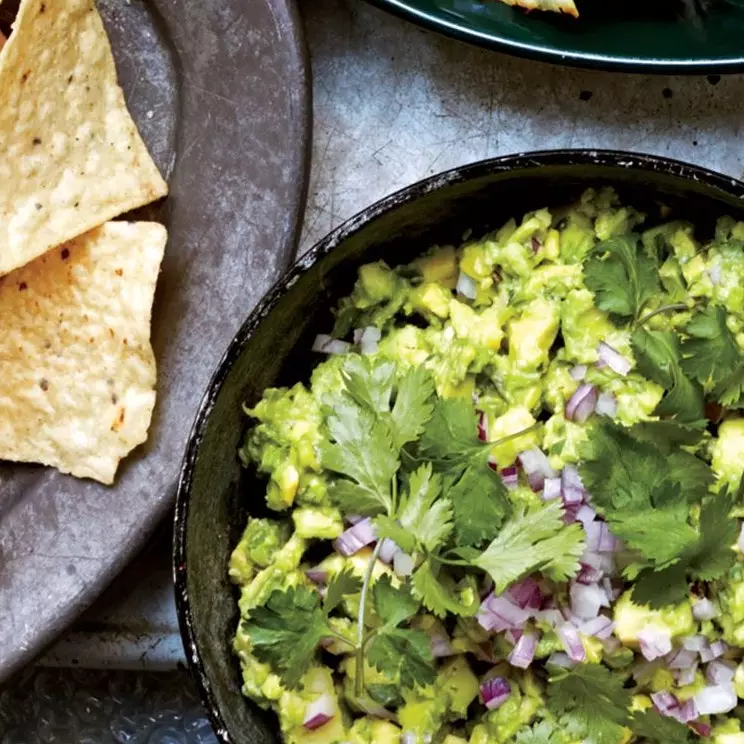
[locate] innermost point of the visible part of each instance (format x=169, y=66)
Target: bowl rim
x=543, y=53
x=519, y=161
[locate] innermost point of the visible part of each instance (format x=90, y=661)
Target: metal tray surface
x=221, y=94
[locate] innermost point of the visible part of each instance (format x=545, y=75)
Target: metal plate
x=220, y=91
x=632, y=35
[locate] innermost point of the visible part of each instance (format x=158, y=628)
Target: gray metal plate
x=220, y=91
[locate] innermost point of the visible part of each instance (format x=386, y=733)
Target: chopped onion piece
x=695, y=642
x=682, y=658
x=355, y=538
x=560, y=659
x=581, y=404
x=510, y=476
x=571, y=641
x=551, y=489
x=687, y=676
x=613, y=359
x=325, y=344
x=403, y=564
x=482, y=426
x=715, y=274
x=715, y=699
x=441, y=646
x=466, y=286
x=606, y=405
x=600, y=627
x=369, y=339
x=495, y=692
x=500, y=614
x=578, y=372
x=664, y=702
x=586, y=600
x=701, y=728
x=719, y=672
x=319, y=712
x=526, y=594
x=536, y=466
x=704, y=609
x=524, y=652
x=388, y=550
x=716, y=649
x=599, y=538
x=686, y=711
x=317, y=575
x=655, y=642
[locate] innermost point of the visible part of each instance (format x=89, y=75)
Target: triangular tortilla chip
x=557, y=6
x=71, y=157
x=77, y=372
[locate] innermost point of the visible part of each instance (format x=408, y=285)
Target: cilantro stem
x=515, y=435
x=394, y=491
x=359, y=681
x=663, y=309
x=450, y=561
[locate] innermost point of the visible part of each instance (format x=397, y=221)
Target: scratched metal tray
x=220, y=91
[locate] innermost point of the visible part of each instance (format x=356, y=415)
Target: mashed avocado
x=523, y=349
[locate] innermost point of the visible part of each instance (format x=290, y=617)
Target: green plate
x=631, y=35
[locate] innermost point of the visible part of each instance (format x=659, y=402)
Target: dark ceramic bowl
x=631, y=35
x=215, y=494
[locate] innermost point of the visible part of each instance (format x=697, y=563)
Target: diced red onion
x=357, y=336
x=536, y=244
x=602, y=562
x=354, y=518
x=740, y=541
x=586, y=515
x=536, y=466
x=403, y=564
x=600, y=627
x=682, y=658
x=441, y=646
x=606, y=405
x=586, y=600
x=500, y=614
x=581, y=404
x=355, y=538
x=695, y=642
x=686, y=712
x=599, y=538
x=369, y=340
x=526, y=594
x=495, y=692
x=388, y=550
x=319, y=712
x=571, y=641
x=715, y=700
x=482, y=426
x=513, y=635
x=551, y=489
x=588, y=575
x=578, y=372
x=715, y=274
x=466, y=286
x=493, y=463
x=560, y=659
x=704, y=609
x=719, y=672
x=701, y=728
x=716, y=649
x=655, y=642
x=524, y=652
x=317, y=575
x=664, y=702
x=510, y=476
x=613, y=359
x=325, y=344
x=687, y=676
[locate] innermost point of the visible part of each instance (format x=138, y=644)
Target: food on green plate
x=557, y=6
x=498, y=512
x=72, y=156
x=77, y=387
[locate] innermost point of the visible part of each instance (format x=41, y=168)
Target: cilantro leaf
x=392, y=605
x=478, y=496
x=439, y=594
x=343, y=583
x=390, y=528
x=668, y=435
x=658, y=357
x=712, y=356
x=413, y=405
x=537, y=541
x=286, y=631
x=429, y=520
x=540, y=733
x=622, y=277
x=399, y=651
x=361, y=449
x=595, y=697
x=405, y=654
x=649, y=724
x=369, y=381
x=661, y=588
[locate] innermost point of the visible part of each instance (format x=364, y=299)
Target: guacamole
x=505, y=506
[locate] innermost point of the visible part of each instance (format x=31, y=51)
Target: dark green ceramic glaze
x=635, y=35
x=215, y=494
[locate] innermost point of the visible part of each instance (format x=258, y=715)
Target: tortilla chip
x=557, y=6
x=77, y=372
x=71, y=157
